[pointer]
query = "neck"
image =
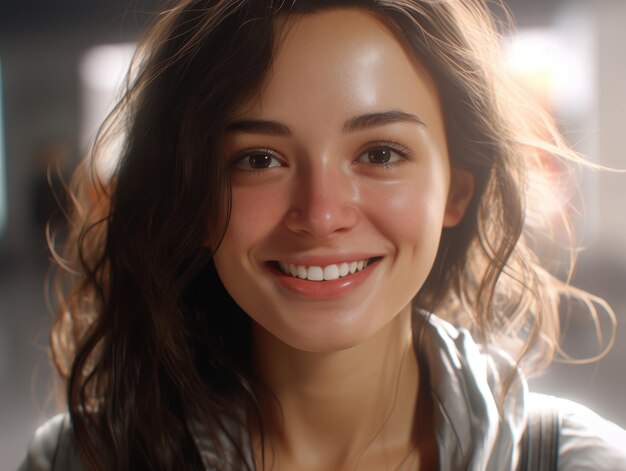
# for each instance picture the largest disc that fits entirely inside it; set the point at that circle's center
(338, 407)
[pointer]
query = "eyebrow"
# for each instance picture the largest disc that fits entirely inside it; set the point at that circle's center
(372, 120)
(358, 123)
(259, 126)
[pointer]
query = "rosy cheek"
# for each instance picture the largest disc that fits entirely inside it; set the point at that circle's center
(405, 211)
(256, 212)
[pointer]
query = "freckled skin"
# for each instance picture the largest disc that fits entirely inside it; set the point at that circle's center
(319, 201)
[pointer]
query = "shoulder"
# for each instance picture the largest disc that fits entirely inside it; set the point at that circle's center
(587, 441)
(52, 447)
(465, 381)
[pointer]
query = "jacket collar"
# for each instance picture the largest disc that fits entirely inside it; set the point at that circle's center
(472, 432)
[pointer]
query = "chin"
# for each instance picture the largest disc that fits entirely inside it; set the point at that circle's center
(327, 332)
(327, 344)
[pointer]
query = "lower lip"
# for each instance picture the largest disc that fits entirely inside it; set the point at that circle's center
(323, 289)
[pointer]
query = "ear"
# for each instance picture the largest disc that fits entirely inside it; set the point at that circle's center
(459, 196)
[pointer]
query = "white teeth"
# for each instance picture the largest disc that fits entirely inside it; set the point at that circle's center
(327, 273)
(315, 274)
(331, 272)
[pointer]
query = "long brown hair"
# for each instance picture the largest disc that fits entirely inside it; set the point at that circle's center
(147, 337)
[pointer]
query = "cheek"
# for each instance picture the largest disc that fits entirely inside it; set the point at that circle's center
(255, 214)
(409, 213)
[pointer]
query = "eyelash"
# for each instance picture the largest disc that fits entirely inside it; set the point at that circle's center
(402, 151)
(249, 152)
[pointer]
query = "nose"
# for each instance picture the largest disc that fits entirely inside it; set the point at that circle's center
(323, 203)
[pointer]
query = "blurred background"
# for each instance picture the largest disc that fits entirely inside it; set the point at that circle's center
(60, 65)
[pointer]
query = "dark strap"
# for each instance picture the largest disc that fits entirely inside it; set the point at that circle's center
(540, 443)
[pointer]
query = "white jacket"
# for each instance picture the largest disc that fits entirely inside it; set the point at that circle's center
(472, 434)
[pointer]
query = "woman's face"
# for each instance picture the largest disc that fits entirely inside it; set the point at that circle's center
(341, 184)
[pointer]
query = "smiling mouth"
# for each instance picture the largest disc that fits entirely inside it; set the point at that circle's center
(326, 273)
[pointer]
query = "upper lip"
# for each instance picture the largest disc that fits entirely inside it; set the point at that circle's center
(324, 260)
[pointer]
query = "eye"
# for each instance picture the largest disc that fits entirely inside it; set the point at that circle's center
(258, 160)
(384, 154)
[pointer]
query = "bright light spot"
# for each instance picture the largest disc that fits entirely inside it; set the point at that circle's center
(534, 56)
(102, 72)
(552, 67)
(533, 50)
(555, 66)
(104, 67)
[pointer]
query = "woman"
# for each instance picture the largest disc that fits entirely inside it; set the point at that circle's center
(302, 184)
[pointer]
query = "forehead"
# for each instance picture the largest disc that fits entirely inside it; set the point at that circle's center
(338, 63)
